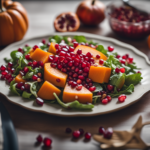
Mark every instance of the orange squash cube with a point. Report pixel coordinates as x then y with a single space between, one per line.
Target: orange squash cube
18 79
52 48
46 91
40 55
54 76
99 74
71 94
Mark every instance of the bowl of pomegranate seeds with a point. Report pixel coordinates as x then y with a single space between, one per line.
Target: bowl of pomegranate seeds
128 22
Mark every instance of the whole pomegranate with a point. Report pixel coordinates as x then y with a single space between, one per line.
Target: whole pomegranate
91 12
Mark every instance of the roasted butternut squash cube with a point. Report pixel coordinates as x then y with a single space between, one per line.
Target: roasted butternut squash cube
54 75
46 91
40 55
52 48
99 74
71 94
18 79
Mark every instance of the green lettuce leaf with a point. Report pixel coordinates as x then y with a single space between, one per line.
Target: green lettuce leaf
15 55
98 87
56 39
26 95
101 49
80 38
13 88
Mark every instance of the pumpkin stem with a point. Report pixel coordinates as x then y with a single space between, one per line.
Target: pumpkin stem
1 10
93 2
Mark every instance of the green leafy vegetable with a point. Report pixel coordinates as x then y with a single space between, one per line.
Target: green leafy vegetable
73 105
101 49
80 38
98 87
15 55
7 60
56 38
13 88
26 95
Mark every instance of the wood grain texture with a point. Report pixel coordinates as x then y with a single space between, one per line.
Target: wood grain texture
29 124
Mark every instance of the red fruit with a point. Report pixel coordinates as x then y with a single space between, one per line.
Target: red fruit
50 58
89 54
71 49
34 77
108 133
22 88
44 41
8 76
12 70
81 77
2 77
110 48
39 138
56 46
97 56
39 101
79 51
110 87
34 63
58 80
20 50
74 84
19 85
66 22
35 47
79 87
47 142
10 64
93 88
83 64
101 130
27 86
139 72
122 70
81 131
88 80
29 63
104 101
130 60
75 44
76 134
124 57
118 56
122 62
117 70
10 79
40 64
87 136
101 61
122 98
27 57
4 73
25 70
68 130
86 69
3 68
109 98
26 45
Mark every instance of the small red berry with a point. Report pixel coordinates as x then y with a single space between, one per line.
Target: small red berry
27 57
34 77
117 70
101 130
122 98
118 56
110 48
87 135
39 138
97 56
101 61
124 57
35 47
110 87
39 101
109 98
58 80
139 72
104 101
122 70
47 142
10 64
108 133
76 134
44 41
93 88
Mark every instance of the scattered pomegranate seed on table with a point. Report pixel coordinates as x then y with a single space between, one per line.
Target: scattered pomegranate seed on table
110 48
47 142
104 101
39 101
39 139
87 136
76 134
108 133
122 98
101 130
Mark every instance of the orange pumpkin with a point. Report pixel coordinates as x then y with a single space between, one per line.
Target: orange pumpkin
13 22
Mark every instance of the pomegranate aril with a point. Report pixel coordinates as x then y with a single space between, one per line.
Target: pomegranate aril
27 86
139 72
81 131
39 101
34 77
47 142
90 84
27 57
86 69
50 58
58 80
8 76
19 85
110 87
73 84
68 130
75 44
26 69
70 64
8 68
29 63
81 77
3 68
10 64
53 65
20 50
122 62
72 68
108 133
101 61
35 47
76 134
4 73
79 81
85 74
124 57
40 64
80 72
97 56
59 67
122 70
2 77
88 80
93 88
109 98
101 130
44 41
22 88
71 49
56 46
64 70
110 48
70 82
122 98
39 138
99 93
118 56
79 87
87 136
117 70
74 75
26 45
10 79
104 101
130 60
79 51
89 54
34 63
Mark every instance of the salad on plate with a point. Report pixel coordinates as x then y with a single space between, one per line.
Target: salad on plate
72 72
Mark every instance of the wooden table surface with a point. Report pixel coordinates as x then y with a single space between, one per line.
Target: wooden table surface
30 124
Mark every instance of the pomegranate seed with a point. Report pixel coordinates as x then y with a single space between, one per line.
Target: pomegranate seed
53 65
118 56
71 49
117 70
122 98
70 82
139 72
3 68
56 58
122 70
72 68
77 60
97 56
68 130
8 76
58 80
122 62
83 64
79 87
26 45
90 84
39 139
27 86
101 130
75 44
22 88
76 64
64 70
81 77
99 93
39 101
4 73
35 47
88 80
25 70
59 67
70 64
2 77
105 101
81 131
56 46
12 70
79 51
27 57
50 58
110 87
110 48
40 64
85 74
86 69
48 44
127 55
109 98
93 88
87 136
34 63
19 85
89 54
76 134
76 70
9 80
74 84
124 57
80 72
130 59
86 58
8 68
108 133
44 41
74 40
29 63
20 50
47 142
101 61
74 75
79 81
10 64
34 77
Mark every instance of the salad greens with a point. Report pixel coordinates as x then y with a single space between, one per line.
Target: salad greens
129 78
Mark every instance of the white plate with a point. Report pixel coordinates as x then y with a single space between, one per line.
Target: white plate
141 60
